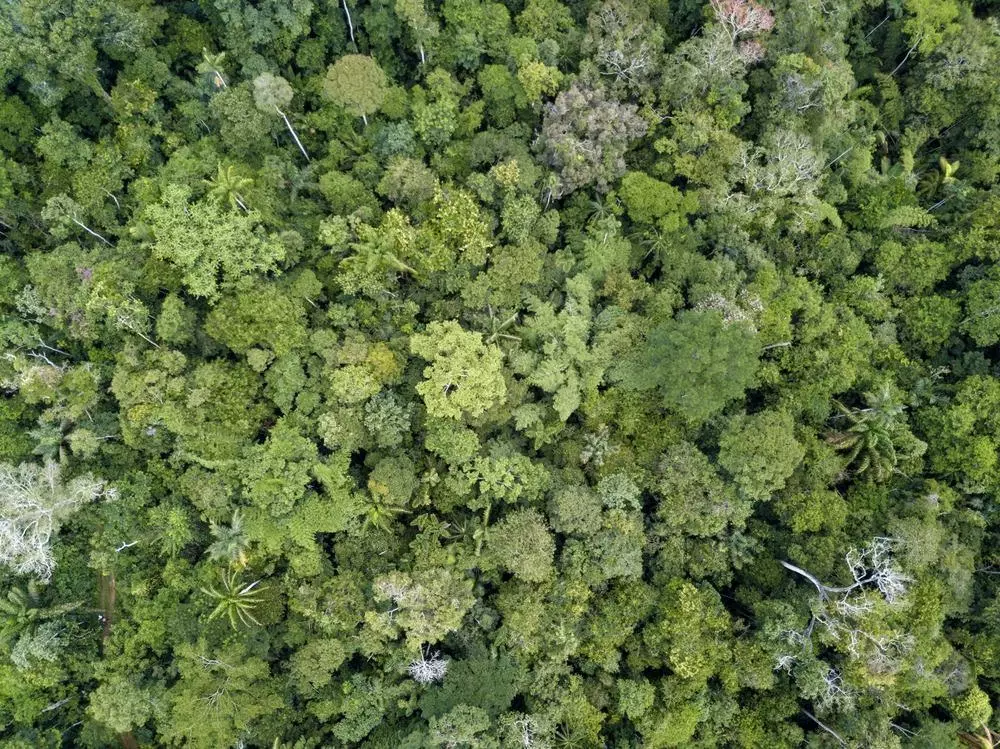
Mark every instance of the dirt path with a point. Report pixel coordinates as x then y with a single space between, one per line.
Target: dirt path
106 600
107 594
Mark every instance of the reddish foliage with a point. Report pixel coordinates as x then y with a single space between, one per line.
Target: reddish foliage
743 17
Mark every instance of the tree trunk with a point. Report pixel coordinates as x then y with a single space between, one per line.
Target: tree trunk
350 24
294 134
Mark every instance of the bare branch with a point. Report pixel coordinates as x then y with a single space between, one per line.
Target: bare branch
825 727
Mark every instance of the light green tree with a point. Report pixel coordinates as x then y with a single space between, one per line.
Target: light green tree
204 242
464 377
357 83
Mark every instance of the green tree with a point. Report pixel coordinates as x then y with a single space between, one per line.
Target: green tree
698 362
460 727
760 452
230 544
423 27
464 376
356 83
652 202
522 544
218 695
693 498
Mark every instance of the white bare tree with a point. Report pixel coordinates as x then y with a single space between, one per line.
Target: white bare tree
428 668
842 610
33 502
872 566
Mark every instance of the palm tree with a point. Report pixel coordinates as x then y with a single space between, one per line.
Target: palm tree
210 66
302 180
228 186
230 543
989 739
870 439
380 515
236 601
22 609
602 209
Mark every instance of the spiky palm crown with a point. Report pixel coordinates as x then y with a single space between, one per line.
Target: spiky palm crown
22 608
230 543
229 186
236 600
870 439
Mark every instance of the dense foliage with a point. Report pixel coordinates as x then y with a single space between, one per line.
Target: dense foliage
499 374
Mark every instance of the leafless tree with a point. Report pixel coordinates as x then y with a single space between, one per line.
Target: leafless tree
871 566
33 502
428 668
622 50
842 609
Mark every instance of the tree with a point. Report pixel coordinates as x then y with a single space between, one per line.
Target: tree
120 704
760 452
63 213
34 501
693 498
24 609
422 25
585 134
464 375
522 544
357 83
742 17
488 681
427 604
567 365
428 668
261 317
652 202
217 696
274 92
459 728
698 362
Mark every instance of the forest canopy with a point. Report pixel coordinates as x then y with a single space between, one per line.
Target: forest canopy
499 373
